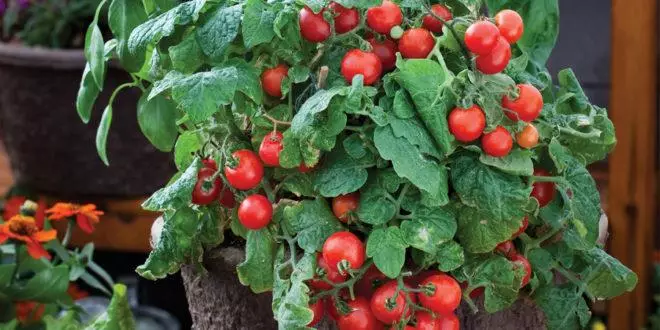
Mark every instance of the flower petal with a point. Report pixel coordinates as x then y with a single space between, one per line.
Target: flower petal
45 235
36 251
84 224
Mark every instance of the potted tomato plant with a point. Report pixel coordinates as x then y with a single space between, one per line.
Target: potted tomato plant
41 58
379 164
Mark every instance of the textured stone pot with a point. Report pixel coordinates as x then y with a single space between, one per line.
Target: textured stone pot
51 150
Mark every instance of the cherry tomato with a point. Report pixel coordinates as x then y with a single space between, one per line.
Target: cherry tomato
446 295
331 309
497 143
248 172
475 293
206 191
332 275
360 317
523 227
255 212
302 168
448 322
467 125
416 43
409 327
527 107
528 138
271 80
433 24
227 198
510 25
386 52
343 245
346 19
384 17
210 163
544 192
497 60
520 261
357 62
270 149
344 204
313 27
426 321
389 310
372 279
507 249
482 37
317 309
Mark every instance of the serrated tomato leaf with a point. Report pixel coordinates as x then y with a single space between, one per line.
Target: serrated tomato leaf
257 271
387 247
312 221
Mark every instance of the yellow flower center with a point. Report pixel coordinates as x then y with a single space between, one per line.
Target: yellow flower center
22 225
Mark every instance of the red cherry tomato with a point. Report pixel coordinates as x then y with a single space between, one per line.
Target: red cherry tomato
409 327
302 168
433 24
332 275
527 107
312 26
510 25
346 19
331 309
384 17
475 293
372 279
416 43
255 212
523 227
446 296
482 37
317 309
497 143
360 317
467 125
343 245
544 192
357 62
248 172
270 149
520 261
426 321
389 310
497 60
528 138
210 163
227 198
344 204
448 322
271 80
507 249
206 191
386 52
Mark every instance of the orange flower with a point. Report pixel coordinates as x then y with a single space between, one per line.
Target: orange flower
76 293
13 206
23 228
86 215
29 311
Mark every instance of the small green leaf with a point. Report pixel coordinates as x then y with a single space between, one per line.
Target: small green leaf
563 306
87 95
518 162
102 134
201 94
607 277
94 53
219 30
48 286
187 56
479 232
67 322
339 175
184 150
497 276
257 269
123 17
258 21
118 316
429 228
176 194
313 221
402 106
388 249
450 256
157 120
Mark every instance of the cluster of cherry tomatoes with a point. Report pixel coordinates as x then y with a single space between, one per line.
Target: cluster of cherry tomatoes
492 42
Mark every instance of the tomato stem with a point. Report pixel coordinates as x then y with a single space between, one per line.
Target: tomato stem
275 121
356 276
454 33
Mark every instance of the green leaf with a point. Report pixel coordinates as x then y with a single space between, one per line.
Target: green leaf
582 231
497 276
123 17
607 277
402 106
376 206
564 307
387 247
11 325
67 322
200 94
102 134
479 232
429 228
184 150
176 194
542 262
87 95
306 117
291 296
258 21
218 31
187 56
118 316
340 174
257 269
157 119
48 285
312 221
94 53
450 256
518 162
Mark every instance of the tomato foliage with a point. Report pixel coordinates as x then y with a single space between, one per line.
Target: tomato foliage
347 124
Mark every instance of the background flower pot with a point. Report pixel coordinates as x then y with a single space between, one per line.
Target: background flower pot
51 150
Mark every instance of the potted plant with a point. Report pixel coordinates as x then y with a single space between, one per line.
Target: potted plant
381 163
40 62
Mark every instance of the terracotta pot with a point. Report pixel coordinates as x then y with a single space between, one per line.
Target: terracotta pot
51 150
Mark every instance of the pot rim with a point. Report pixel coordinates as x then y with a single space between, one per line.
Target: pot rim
41 57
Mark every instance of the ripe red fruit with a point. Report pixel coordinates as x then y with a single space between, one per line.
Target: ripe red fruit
210 163
343 245
372 279
527 107
312 26
255 212
507 249
270 149
523 227
510 25
497 60
360 317
357 62
206 190
544 192
497 143
384 17
426 321
446 296
331 274
467 125
344 204
416 43
482 37
346 19
386 52
389 310
271 80
249 171
433 24
227 198
302 168
317 309
520 261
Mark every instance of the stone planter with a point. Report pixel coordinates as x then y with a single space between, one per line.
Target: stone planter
51 150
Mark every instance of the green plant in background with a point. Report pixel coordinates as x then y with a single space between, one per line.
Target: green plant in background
47 23
298 126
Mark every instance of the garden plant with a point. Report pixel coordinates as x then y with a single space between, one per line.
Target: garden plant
382 161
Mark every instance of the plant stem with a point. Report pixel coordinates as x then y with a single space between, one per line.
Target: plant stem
347 284
268 190
67 234
17 260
